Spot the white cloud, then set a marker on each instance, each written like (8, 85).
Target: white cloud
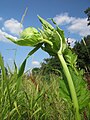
(75, 25)
(63, 19)
(80, 27)
(36, 63)
(13, 26)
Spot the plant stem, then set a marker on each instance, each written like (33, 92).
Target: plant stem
(71, 85)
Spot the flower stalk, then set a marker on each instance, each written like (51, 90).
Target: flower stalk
(71, 85)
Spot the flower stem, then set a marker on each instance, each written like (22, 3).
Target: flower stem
(71, 85)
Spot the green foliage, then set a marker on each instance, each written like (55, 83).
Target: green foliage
(21, 70)
(45, 23)
(50, 66)
(82, 49)
(80, 86)
(87, 11)
(2, 67)
(55, 36)
(30, 102)
(83, 94)
(35, 71)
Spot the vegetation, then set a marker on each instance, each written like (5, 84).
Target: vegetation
(63, 96)
(36, 98)
(82, 49)
(87, 11)
(40, 101)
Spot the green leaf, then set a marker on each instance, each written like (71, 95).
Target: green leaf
(16, 107)
(82, 92)
(2, 67)
(63, 41)
(55, 35)
(39, 109)
(64, 91)
(45, 23)
(70, 57)
(22, 68)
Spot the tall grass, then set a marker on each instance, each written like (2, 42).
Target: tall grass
(35, 99)
(40, 101)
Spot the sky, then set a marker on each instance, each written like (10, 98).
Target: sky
(68, 14)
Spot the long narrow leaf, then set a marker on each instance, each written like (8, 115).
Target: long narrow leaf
(22, 68)
(2, 67)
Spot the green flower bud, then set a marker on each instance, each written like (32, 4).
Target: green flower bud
(29, 37)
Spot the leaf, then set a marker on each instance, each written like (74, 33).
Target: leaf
(83, 94)
(61, 32)
(45, 23)
(64, 91)
(15, 66)
(16, 107)
(51, 35)
(2, 67)
(55, 40)
(39, 109)
(22, 68)
(70, 57)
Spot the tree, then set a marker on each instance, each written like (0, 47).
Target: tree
(50, 66)
(82, 49)
(87, 11)
(35, 71)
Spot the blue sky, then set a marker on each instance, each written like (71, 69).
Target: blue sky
(69, 15)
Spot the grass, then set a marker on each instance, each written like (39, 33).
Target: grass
(34, 100)
(31, 97)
